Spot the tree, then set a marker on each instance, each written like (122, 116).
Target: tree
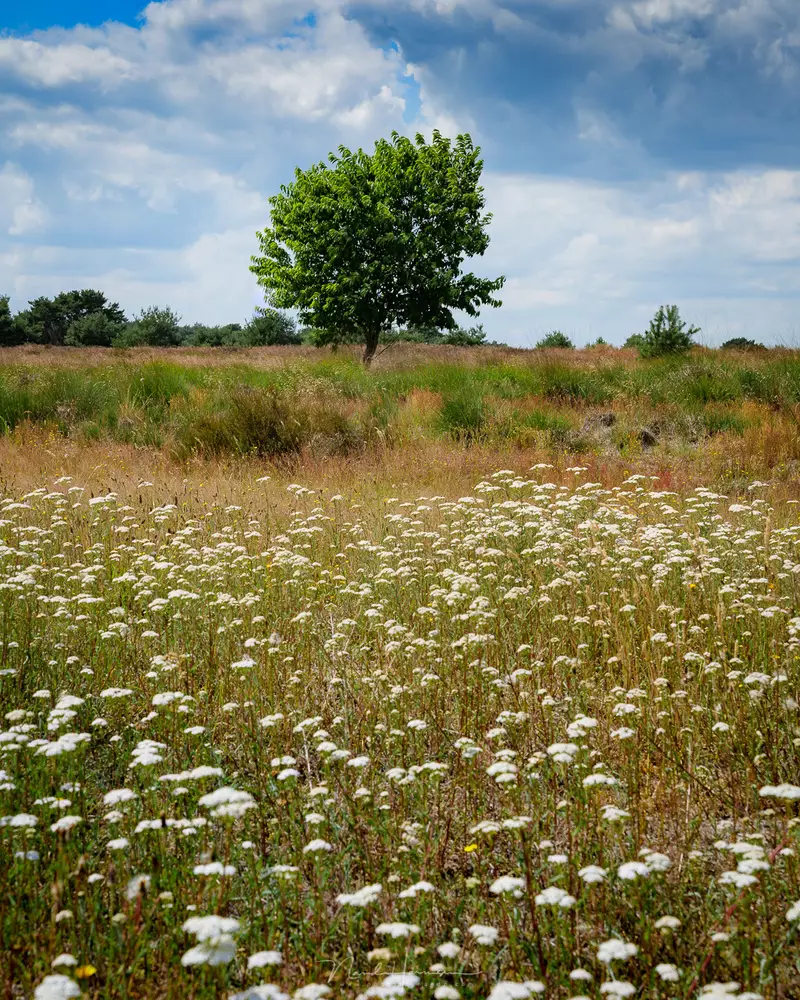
(667, 334)
(200, 335)
(635, 341)
(742, 344)
(11, 333)
(48, 321)
(475, 336)
(93, 330)
(556, 339)
(43, 322)
(270, 328)
(153, 327)
(377, 240)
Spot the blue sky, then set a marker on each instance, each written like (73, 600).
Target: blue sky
(636, 151)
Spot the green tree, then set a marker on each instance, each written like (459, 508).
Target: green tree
(155, 326)
(475, 336)
(556, 339)
(742, 344)
(270, 328)
(667, 334)
(92, 330)
(11, 333)
(48, 321)
(376, 240)
(635, 341)
(200, 335)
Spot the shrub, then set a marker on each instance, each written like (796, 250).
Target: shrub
(742, 344)
(668, 334)
(153, 327)
(270, 328)
(635, 341)
(556, 339)
(200, 335)
(475, 336)
(93, 330)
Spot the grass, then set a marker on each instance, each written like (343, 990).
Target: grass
(470, 741)
(247, 404)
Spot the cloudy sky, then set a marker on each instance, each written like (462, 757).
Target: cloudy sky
(636, 151)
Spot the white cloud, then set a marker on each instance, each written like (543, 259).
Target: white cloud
(599, 258)
(55, 66)
(21, 212)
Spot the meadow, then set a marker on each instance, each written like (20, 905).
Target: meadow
(709, 418)
(415, 706)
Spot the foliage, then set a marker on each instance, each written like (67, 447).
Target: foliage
(48, 321)
(10, 332)
(742, 344)
(270, 328)
(94, 329)
(155, 326)
(377, 240)
(473, 337)
(556, 339)
(668, 334)
(200, 335)
(636, 341)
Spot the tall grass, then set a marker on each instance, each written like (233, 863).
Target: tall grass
(336, 405)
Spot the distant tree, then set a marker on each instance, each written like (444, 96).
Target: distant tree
(93, 330)
(199, 335)
(742, 344)
(11, 333)
(48, 321)
(270, 328)
(600, 342)
(636, 341)
(155, 326)
(413, 335)
(43, 322)
(668, 334)
(556, 339)
(475, 336)
(376, 240)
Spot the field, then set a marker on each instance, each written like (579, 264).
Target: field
(439, 680)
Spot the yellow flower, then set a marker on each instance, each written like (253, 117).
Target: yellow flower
(84, 971)
(470, 848)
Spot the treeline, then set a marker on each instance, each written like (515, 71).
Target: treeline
(85, 318)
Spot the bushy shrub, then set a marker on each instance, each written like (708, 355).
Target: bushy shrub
(474, 336)
(742, 344)
(270, 328)
(556, 339)
(153, 327)
(93, 330)
(636, 341)
(668, 334)
(200, 335)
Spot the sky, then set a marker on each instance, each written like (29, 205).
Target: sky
(636, 152)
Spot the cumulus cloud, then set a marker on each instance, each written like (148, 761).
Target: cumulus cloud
(598, 259)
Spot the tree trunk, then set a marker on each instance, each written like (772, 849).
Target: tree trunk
(371, 340)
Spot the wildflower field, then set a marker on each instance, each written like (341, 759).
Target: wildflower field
(538, 740)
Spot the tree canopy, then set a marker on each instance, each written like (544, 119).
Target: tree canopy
(80, 317)
(372, 241)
